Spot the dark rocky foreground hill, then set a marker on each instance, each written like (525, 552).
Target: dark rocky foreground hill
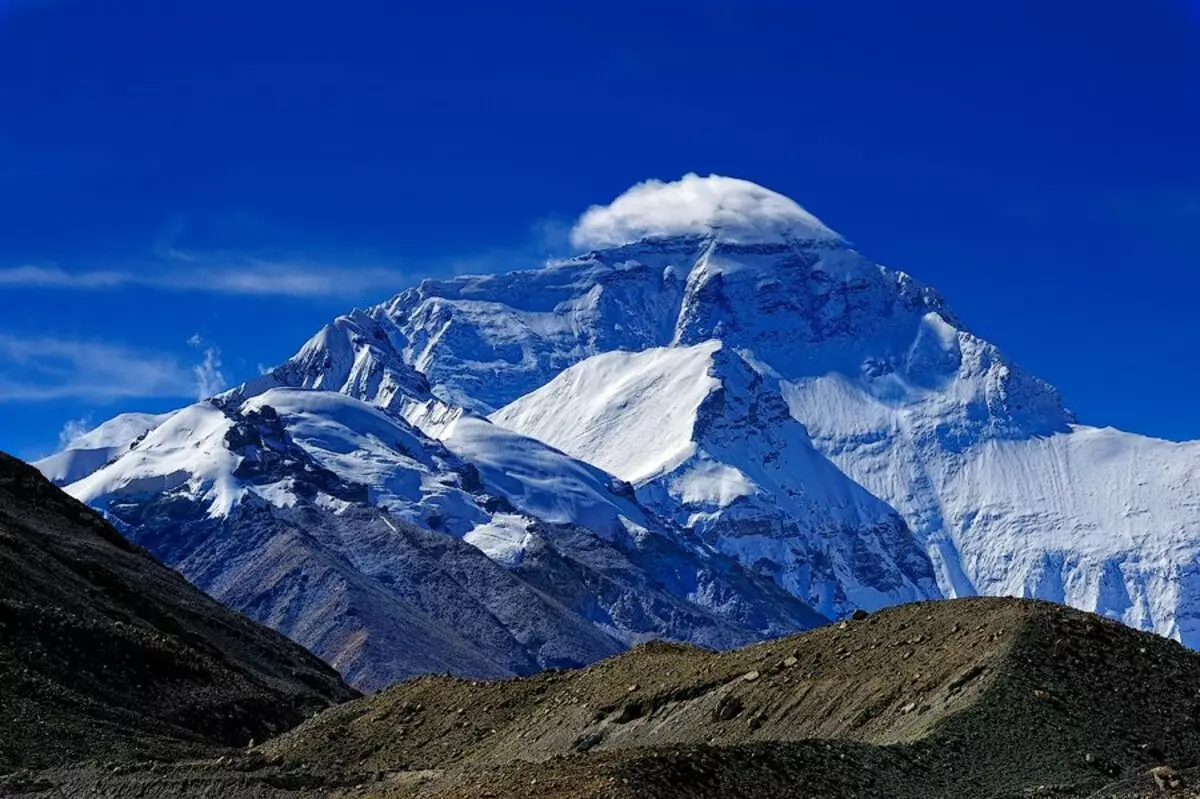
(965, 699)
(105, 654)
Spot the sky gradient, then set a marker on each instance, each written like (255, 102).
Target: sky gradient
(188, 190)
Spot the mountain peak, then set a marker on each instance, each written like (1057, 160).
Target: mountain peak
(708, 440)
(736, 210)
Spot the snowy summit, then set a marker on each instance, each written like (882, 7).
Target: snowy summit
(681, 434)
(740, 211)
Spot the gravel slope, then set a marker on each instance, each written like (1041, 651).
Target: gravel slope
(966, 698)
(961, 699)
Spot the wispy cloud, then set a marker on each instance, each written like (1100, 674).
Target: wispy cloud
(253, 277)
(53, 277)
(47, 368)
(73, 429)
(209, 380)
(169, 267)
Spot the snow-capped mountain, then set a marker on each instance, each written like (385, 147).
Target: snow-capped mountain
(1097, 518)
(88, 452)
(390, 553)
(717, 416)
(1000, 486)
(352, 355)
(709, 441)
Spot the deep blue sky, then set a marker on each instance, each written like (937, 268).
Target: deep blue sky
(1038, 162)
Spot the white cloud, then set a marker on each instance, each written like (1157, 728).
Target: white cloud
(53, 277)
(47, 368)
(258, 277)
(168, 267)
(252, 277)
(209, 380)
(72, 430)
(739, 210)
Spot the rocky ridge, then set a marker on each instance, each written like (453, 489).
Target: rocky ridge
(106, 653)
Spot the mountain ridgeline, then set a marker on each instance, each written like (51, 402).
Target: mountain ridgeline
(718, 425)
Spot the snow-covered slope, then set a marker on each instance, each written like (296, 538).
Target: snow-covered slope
(484, 341)
(707, 439)
(188, 451)
(390, 553)
(714, 342)
(88, 452)
(536, 479)
(1097, 518)
(980, 458)
(352, 355)
(632, 414)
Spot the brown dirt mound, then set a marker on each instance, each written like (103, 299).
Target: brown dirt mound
(966, 698)
(969, 699)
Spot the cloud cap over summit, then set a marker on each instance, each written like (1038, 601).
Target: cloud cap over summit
(739, 210)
